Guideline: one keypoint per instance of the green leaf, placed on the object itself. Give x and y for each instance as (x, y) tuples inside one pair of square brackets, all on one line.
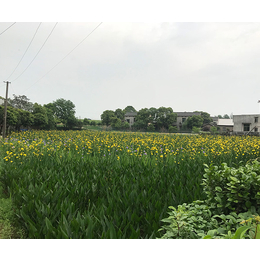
[(240, 232), (207, 237), (218, 189), (258, 232)]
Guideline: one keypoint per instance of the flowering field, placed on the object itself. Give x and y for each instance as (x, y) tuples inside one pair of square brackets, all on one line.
[(90, 184)]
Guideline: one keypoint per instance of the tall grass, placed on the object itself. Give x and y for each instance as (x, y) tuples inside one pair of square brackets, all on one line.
[(92, 184)]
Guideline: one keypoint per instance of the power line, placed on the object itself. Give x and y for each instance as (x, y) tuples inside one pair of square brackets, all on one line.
[(7, 28), (65, 56), (26, 50), (36, 53)]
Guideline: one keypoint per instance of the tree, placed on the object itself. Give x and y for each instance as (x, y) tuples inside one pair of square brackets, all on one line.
[(165, 117), (196, 121), (21, 102), (142, 118), (11, 116), (129, 109), (40, 116), (206, 117), (85, 121), (64, 110), (24, 119), (119, 113), (52, 122), (107, 117), (116, 123), (226, 116)]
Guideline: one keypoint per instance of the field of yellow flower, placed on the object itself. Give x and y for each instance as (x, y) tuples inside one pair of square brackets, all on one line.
[(90, 184)]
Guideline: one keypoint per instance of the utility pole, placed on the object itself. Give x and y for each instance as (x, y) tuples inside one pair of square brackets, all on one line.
[(5, 111)]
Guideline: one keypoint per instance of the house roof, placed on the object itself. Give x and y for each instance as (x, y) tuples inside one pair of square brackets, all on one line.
[(225, 122), (130, 114), (179, 114)]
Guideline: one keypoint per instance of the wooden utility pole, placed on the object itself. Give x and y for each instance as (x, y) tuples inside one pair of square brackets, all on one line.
[(5, 112)]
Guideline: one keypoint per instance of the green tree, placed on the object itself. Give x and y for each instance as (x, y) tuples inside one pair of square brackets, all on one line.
[(40, 116), (21, 102), (52, 121), (64, 110), (107, 117), (129, 109), (206, 117), (226, 116), (165, 117), (196, 121), (116, 123), (142, 118), (119, 113), (85, 121), (24, 119)]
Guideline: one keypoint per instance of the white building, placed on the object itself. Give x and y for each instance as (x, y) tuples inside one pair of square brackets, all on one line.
[(246, 123)]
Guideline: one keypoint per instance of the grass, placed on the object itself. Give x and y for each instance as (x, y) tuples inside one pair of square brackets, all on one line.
[(9, 229)]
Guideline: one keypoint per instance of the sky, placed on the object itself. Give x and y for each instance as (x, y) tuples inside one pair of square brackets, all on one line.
[(186, 65)]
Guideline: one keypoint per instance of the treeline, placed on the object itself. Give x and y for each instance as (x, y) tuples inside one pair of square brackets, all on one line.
[(23, 114), (161, 119)]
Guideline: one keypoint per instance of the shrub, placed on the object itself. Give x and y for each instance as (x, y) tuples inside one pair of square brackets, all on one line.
[(213, 130), (173, 129), (188, 221), (230, 193), (195, 129), (150, 128), (231, 189), (250, 229)]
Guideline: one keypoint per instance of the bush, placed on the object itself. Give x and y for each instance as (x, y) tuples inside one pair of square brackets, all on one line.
[(188, 221), (195, 129), (231, 189), (214, 130), (150, 128), (173, 129), (232, 197)]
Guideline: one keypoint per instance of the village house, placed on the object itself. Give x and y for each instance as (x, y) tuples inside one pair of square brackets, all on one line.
[(182, 117), (130, 117), (246, 123), (225, 125)]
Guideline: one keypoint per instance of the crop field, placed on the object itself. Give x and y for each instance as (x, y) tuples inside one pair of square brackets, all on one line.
[(92, 184)]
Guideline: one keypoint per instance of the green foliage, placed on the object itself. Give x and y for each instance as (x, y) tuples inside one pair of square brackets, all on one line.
[(107, 117), (188, 221), (150, 128), (250, 228), (195, 129), (64, 110), (194, 121), (230, 189), (173, 129), (129, 109), (86, 121), (119, 113), (230, 193), (21, 102), (213, 130)]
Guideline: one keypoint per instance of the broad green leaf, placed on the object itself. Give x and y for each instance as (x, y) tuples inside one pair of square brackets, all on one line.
[(240, 232)]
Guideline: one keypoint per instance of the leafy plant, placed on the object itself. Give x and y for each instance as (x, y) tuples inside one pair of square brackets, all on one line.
[(232, 189), (250, 229), (188, 221)]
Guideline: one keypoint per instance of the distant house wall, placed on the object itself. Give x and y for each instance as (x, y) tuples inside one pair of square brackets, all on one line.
[(225, 125), (182, 117), (246, 123), (130, 117)]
